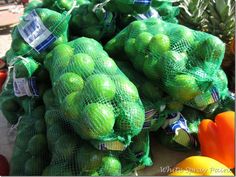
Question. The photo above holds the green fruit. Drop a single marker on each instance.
(37, 145)
(138, 26)
(52, 117)
(111, 166)
(142, 41)
(25, 68)
(159, 44)
(38, 112)
(71, 107)
(49, 98)
(221, 81)
(64, 4)
(59, 169)
(151, 91)
(94, 32)
(40, 126)
(11, 117)
(126, 90)
(65, 147)
(17, 162)
(10, 104)
(54, 133)
(97, 121)
(81, 64)
(172, 63)
(183, 87)
(138, 61)
(60, 40)
(23, 137)
(130, 47)
(34, 166)
(88, 158)
(150, 68)
(67, 84)
(131, 118)
(20, 46)
(100, 86)
(175, 106)
(107, 66)
(48, 60)
(183, 34)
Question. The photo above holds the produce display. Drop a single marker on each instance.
(89, 84)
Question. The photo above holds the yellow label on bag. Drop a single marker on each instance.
(110, 145)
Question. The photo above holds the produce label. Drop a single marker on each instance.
(152, 13)
(151, 117)
(143, 2)
(35, 33)
(110, 145)
(25, 87)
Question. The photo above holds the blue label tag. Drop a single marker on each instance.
(33, 86)
(151, 13)
(143, 2)
(35, 33)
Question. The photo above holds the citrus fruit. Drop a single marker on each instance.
(183, 87)
(150, 68)
(100, 86)
(111, 166)
(51, 117)
(131, 118)
(17, 162)
(37, 145)
(34, 166)
(151, 91)
(40, 126)
(138, 61)
(23, 137)
(142, 41)
(54, 133)
(64, 5)
(129, 47)
(125, 89)
(49, 98)
(71, 106)
(107, 66)
(65, 147)
(58, 169)
(88, 158)
(97, 121)
(68, 83)
(159, 44)
(138, 26)
(81, 64)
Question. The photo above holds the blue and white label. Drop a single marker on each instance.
(151, 13)
(143, 2)
(25, 87)
(35, 33)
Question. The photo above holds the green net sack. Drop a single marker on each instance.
(137, 155)
(33, 5)
(38, 30)
(88, 21)
(30, 154)
(97, 98)
(185, 63)
(125, 6)
(166, 10)
(73, 156)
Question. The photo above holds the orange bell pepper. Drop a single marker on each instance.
(217, 138)
(200, 166)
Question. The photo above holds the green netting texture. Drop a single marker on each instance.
(99, 101)
(184, 63)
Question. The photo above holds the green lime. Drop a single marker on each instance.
(111, 166)
(138, 26)
(100, 86)
(37, 145)
(107, 66)
(125, 89)
(142, 41)
(129, 47)
(138, 61)
(64, 4)
(150, 68)
(159, 44)
(51, 117)
(81, 64)
(151, 91)
(183, 87)
(97, 121)
(40, 126)
(68, 83)
(131, 118)
(34, 166)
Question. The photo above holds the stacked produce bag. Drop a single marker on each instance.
(87, 81)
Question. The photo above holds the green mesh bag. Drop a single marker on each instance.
(30, 154)
(34, 44)
(96, 97)
(184, 62)
(136, 156)
(94, 23)
(166, 10)
(125, 6)
(73, 156)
